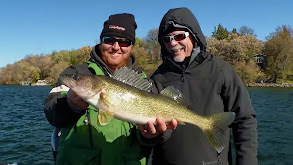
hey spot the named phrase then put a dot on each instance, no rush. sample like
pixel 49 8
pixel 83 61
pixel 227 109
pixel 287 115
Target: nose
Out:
pixel 173 42
pixel 116 46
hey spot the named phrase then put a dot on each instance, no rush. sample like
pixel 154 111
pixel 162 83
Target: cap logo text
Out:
pixel 116 27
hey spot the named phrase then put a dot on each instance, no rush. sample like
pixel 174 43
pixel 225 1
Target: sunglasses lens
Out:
pixel 176 37
pixel 179 37
pixel 122 42
pixel 166 39
pixel 109 40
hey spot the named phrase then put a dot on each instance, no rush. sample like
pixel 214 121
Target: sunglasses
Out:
pixel 176 37
pixel 123 42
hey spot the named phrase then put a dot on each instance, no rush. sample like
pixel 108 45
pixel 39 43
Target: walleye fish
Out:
pixel 126 96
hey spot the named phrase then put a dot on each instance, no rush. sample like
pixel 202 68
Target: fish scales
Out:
pixel 141 103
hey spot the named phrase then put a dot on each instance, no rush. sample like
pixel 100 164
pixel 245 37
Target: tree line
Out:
pixel 238 47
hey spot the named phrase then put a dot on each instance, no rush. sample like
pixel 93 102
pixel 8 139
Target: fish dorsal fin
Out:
pixel 173 93
pixel 132 78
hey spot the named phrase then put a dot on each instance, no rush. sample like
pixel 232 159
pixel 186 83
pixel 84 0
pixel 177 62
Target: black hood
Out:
pixel 181 18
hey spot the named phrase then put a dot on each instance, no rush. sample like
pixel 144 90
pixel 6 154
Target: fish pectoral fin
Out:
pixel 103 103
pixel 105 117
pixel 105 114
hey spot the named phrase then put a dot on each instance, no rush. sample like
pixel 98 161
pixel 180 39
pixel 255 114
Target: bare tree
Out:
pixel 244 30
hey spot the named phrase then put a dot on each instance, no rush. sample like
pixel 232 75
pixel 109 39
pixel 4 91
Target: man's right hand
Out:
pixel 151 130
pixel 75 102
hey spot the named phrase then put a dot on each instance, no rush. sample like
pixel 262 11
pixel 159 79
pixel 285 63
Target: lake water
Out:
pixel 274 110
pixel 25 133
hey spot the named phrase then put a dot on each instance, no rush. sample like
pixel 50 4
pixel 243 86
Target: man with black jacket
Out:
pixel 81 139
pixel 209 86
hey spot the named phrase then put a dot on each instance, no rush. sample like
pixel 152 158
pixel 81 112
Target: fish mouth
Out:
pixel 69 80
pixel 78 84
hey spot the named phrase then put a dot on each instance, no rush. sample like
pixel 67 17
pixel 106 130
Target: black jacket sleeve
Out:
pixel 56 109
pixel 236 99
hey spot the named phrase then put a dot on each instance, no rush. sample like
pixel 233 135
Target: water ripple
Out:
pixel 24 130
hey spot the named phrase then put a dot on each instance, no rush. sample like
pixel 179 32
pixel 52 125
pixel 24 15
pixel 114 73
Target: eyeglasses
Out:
pixel 176 37
pixel 123 42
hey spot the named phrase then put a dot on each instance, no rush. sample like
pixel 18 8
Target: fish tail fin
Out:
pixel 216 131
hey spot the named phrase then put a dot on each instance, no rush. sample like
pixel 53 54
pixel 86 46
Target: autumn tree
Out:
pixel 152 45
pixel 43 62
pixel 56 70
pixel 279 51
pixel 61 56
pixel 140 52
pixel 19 71
pixel 2 75
pixel 83 54
pixel 6 75
pixel 238 51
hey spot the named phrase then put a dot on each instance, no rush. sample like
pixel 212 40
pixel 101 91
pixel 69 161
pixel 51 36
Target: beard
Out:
pixel 179 57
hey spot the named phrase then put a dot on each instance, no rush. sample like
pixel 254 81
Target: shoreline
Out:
pixel 284 85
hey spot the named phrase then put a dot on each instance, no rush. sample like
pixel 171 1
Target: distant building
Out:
pixel 25 83
pixel 41 83
pixel 261 60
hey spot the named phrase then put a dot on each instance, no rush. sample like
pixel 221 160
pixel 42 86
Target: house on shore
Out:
pixel 26 83
pixel 41 83
pixel 261 60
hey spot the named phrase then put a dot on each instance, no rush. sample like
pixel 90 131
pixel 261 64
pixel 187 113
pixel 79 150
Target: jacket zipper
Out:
pixel 219 159
pixel 183 73
pixel 87 121
pixel 182 76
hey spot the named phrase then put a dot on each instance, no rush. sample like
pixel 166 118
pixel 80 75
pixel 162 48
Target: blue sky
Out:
pixel 30 27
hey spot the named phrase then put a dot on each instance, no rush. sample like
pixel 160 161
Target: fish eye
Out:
pixel 75 77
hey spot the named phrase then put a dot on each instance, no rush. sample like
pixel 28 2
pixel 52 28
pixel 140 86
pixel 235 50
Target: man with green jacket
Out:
pixel 81 139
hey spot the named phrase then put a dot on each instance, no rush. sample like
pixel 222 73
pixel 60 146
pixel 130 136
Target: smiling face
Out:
pixel 114 55
pixel 179 49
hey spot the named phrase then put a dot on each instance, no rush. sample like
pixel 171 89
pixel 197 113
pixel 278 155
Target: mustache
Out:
pixel 177 48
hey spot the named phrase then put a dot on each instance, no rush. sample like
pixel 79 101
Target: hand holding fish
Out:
pixel 150 130
pixel 75 102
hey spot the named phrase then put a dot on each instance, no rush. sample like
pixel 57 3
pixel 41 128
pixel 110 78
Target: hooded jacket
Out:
pixel 82 140
pixel 209 85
